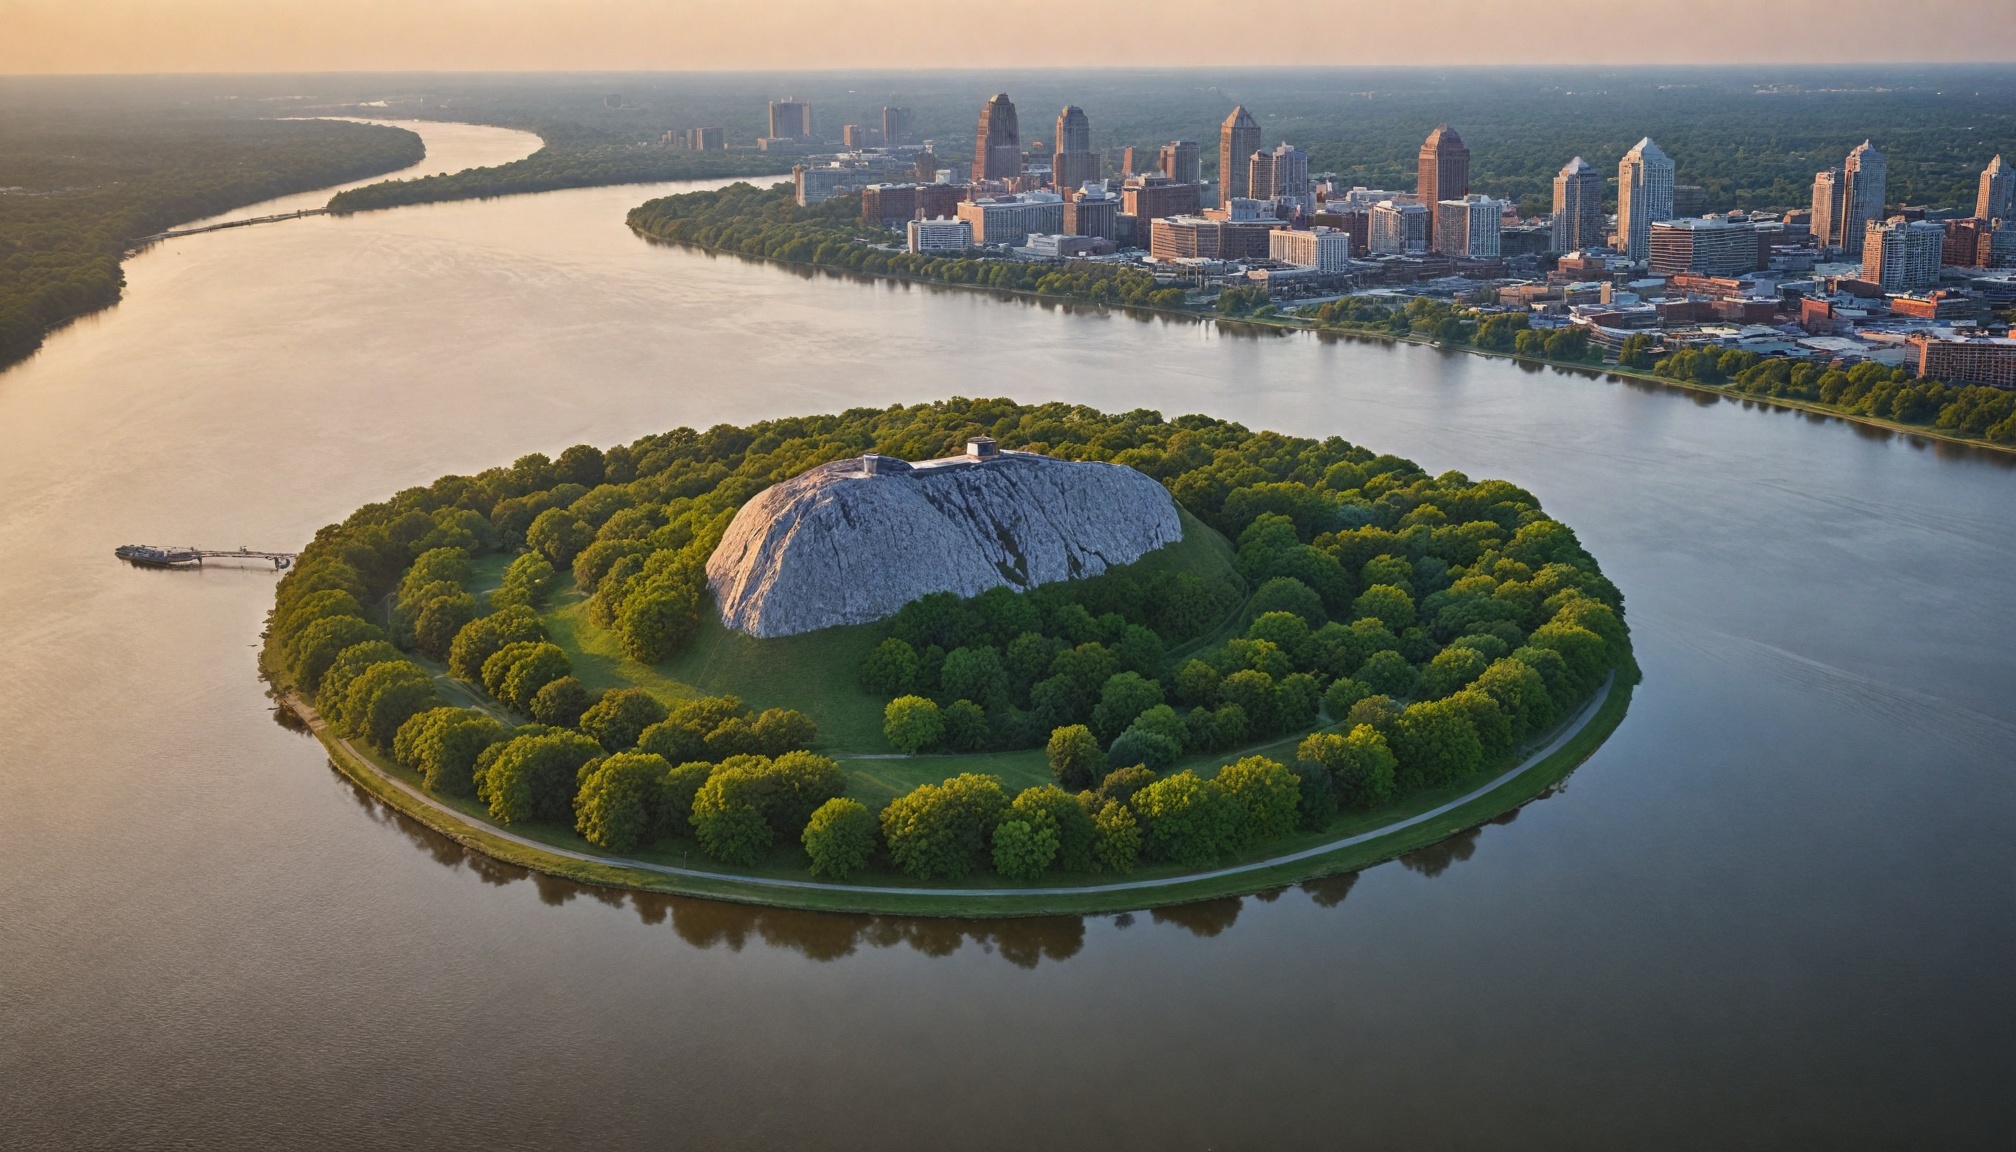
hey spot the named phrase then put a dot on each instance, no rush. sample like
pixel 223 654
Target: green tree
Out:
pixel 945 831
pixel 1342 694
pixel 534 777
pixel 1023 850
pixel 1185 820
pixel 440 621
pixel 1386 603
pixel 385 696
pixel 561 702
pixel 966 727
pixel 481 638
pixel 1156 751
pixel 840 838
pixel 728 817
pixel 1049 806
pixel 1359 764
pixel 1265 796
pixel 675 797
pixel 1450 671
pixel 620 717
pixel 912 724
pixel 1075 755
pixel 1387 674
pixel 657 622
pixel 976 674
pixel 617 807
pixel 1435 744
pixel 318 644
pixel 558 535
pixel 1520 691
pixel 1124 696
pixel 1117 842
pixel 890 670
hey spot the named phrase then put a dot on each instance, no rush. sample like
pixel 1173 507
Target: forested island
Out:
pixel 1337 642
pixel 83 185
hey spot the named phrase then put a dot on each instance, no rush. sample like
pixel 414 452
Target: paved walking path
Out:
pixel 1561 738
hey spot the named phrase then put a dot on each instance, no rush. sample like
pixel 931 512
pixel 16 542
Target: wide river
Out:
pixel 1776 910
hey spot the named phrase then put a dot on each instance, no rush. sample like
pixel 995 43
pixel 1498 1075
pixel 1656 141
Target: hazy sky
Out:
pixel 342 35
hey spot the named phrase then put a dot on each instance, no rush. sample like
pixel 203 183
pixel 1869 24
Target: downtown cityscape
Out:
pixel 1635 266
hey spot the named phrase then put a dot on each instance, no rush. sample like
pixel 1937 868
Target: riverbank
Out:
pixel 1286 324
pixel 1432 817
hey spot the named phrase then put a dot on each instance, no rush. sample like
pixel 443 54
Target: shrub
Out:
pixel 839 838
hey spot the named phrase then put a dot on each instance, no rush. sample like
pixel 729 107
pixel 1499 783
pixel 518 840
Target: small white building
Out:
pixel 941 235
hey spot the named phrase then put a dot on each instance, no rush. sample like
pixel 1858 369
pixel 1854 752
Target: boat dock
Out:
pixel 150 556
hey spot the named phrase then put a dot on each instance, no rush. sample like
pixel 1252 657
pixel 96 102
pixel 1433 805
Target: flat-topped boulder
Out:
pixel 853 541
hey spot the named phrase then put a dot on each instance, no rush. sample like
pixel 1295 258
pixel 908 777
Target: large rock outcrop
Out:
pixel 853 541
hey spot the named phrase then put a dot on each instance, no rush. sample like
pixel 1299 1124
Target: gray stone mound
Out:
pixel 855 540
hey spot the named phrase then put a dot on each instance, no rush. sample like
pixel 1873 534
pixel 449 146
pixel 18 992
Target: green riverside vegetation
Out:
pixel 1339 639
pixel 768 224
pixel 84 185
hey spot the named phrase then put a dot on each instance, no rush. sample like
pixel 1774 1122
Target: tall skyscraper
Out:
pixel 1442 173
pixel 1998 191
pixel 1179 161
pixel 895 126
pixel 1394 227
pixel 1644 194
pixel 790 120
pixel 1074 162
pixel 1130 161
pixel 1238 139
pixel 1469 227
pixel 1282 174
pixel 1902 255
pixel 1827 208
pixel 997 144
pixel 1861 195
pixel 1578 207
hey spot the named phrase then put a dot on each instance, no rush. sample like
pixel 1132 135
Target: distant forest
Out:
pixel 77 184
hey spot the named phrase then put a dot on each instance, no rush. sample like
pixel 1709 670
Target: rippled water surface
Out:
pixel 1775 910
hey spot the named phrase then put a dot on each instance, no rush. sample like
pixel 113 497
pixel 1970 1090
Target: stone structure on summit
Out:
pixel 852 541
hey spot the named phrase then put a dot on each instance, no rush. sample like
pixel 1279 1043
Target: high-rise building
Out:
pixel 1998 191
pixel 1578 207
pixel 1238 138
pixel 895 126
pixel 1179 161
pixel 1324 249
pixel 1130 161
pixel 818 184
pixel 1902 255
pixel 1185 238
pixel 1702 246
pixel 1153 197
pixel 1689 201
pixel 1469 227
pixel 1981 360
pixel 853 136
pixel 940 235
pixel 1442 173
pixel 1281 175
pixel 1092 213
pixel 997 143
pixel 1861 196
pixel 1644 194
pixel 1963 246
pixel 790 120
pixel 1010 219
pixel 1394 228
pixel 1827 208
pixel 1074 162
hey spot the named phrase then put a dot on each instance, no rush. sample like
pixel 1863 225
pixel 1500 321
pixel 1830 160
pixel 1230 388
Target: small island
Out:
pixel 963 658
